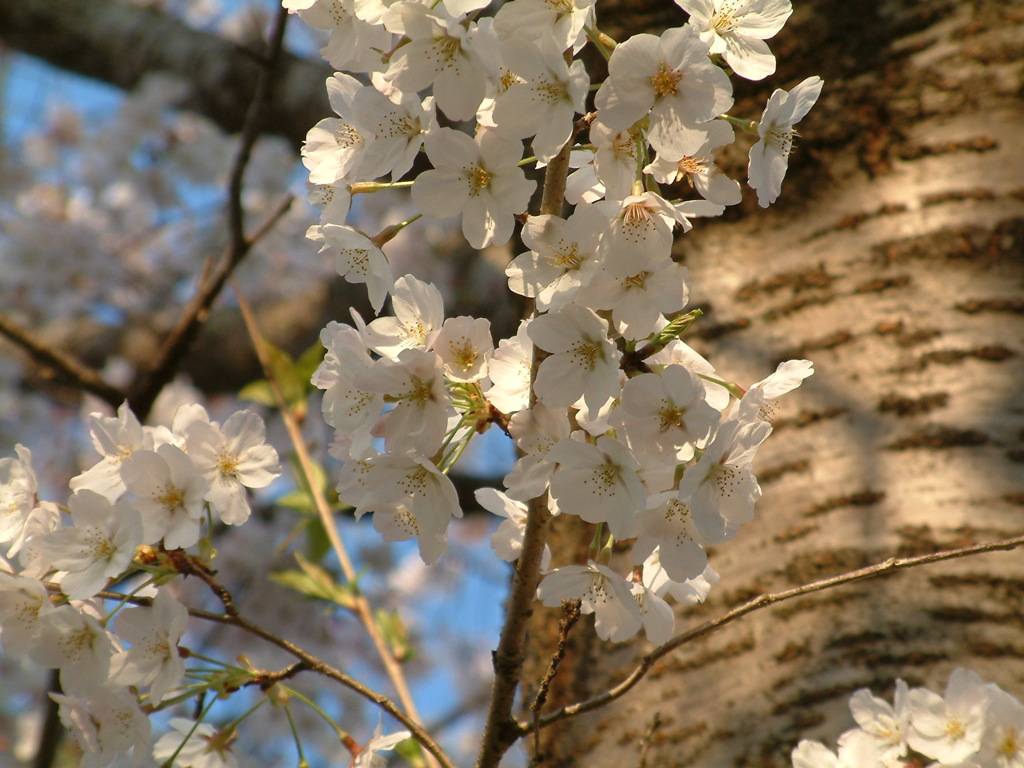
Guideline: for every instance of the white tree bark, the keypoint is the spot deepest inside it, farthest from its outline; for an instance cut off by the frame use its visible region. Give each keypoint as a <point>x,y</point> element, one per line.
<point>895,261</point>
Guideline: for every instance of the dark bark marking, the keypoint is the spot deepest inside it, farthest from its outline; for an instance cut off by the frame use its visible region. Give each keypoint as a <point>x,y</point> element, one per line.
<point>794,533</point>
<point>975,144</point>
<point>854,220</point>
<point>774,473</point>
<point>879,284</point>
<point>1005,241</point>
<point>797,281</point>
<point>831,341</point>
<point>798,304</point>
<point>717,331</point>
<point>793,651</point>
<point>835,598</point>
<point>939,438</point>
<point>957,195</point>
<point>806,418</point>
<point>904,336</point>
<point>913,406</point>
<point>991,354</point>
<point>811,566</point>
<point>974,306</point>
<point>996,650</point>
<point>860,499</point>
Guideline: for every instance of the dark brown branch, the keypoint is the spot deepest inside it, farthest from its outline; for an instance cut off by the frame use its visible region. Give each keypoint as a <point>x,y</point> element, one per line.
<point>169,358</point>
<point>119,43</point>
<point>891,565</point>
<point>570,615</point>
<point>82,377</point>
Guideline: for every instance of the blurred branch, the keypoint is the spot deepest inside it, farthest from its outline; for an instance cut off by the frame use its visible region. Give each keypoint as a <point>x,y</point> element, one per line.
<point>119,43</point>
<point>325,514</point>
<point>168,359</point>
<point>891,565</point>
<point>81,376</point>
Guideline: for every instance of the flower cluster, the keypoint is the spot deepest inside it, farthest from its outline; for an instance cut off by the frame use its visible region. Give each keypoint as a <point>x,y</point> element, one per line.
<point>152,491</point>
<point>621,423</point>
<point>972,725</point>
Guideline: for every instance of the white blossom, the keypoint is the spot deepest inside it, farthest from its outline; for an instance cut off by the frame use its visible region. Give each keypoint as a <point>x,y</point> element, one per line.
<point>737,29</point>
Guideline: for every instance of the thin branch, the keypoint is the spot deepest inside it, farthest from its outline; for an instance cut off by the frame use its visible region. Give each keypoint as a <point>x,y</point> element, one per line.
<point>307,661</point>
<point>891,565</point>
<point>570,615</point>
<point>197,311</point>
<point>82,376</point>
<point>362,606</point>
<point>501,728</point>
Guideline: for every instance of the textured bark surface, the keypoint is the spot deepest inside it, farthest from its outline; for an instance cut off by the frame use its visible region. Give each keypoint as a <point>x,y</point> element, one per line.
<point>895,261</point>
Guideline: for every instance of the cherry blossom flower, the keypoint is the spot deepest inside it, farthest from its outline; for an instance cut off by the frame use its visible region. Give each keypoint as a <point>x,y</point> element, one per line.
<point>760,400</point>
<point>153,657</point>
<point>671,77</point>
<point>688,592</point>
<point>444,52</point>
<point>769,157</point>
<point>114,438</point>
<point>603,593</point>
<point>206,747</point>
<point>656,616</point>
<point>637,301</point>
<point>509,371</point>
<point>464,346</point>
<point>948,728</point>
<point>398,123</point>
<point>535,431</point>
<point>480,179</point>
<point>507,541</point>
<point>108,725</point>
<point>666,525</point>
<point>639,235</point>
<point>23,603</point>
<point>368,757</point>
<point>886,723</point>
<point>418,313</point>
<point>170,495</point>
<point>233,457</point>
<point>667,413</point>
<point>18,498</point>
<point>598,483</point>
<point>358,260</point>
<point>76,644</point>
<point>1003,743</point>
<point>334,147</point>
<point>346,407</point>
<point>530,19</point>
<point>562,257</point>
<point>542,104</point>
<point>584,362</point>
<point>699,168</point>
<point>100,545</point>
<point>859,752</point>
<point>413,498</point>
<point>720,488</point>
<point>415,384</point>
<point>737,29</point>
<point>617,159</point>
<point>353,44</point>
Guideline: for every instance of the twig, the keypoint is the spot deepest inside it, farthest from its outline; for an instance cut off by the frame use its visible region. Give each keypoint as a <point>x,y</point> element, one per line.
<point>570,615</point>
<point>645,742</point>
<point>501,729</point>
<point>360,603</point>
<point>82,376</point>
<point>197,311</point>
<point>891,565</point>
<point>307,662</point>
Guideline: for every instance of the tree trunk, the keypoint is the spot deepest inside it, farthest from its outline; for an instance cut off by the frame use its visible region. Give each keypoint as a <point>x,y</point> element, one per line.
<point>894,259</point>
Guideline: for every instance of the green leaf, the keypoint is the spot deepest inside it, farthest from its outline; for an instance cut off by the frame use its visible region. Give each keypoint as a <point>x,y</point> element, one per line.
<point>393,630</point>
<point>316,582</point>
